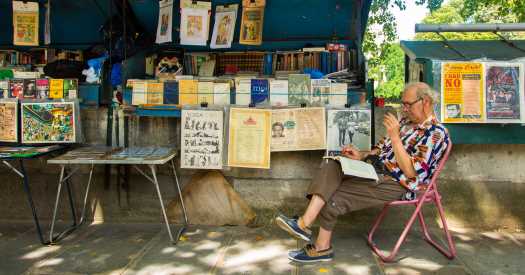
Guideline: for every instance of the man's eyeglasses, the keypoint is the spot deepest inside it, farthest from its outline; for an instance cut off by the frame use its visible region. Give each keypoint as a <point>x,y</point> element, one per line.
<point>409,104</point>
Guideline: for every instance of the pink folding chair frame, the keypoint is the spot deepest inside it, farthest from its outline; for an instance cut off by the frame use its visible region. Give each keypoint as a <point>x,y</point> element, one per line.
<point>431,195</point>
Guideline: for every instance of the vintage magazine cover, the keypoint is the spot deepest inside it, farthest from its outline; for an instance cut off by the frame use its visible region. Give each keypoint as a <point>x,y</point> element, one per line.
<point>298,89</point>
<point>249,138</point>
<point>202,139</point>
<point>205,92</point>
<point>56,88</point>
<point>252,26</point>
<point>221,93</point>
<point>48,122</point>
<point>462,92</point>
<point>195,23</point>
<point>164,26</point>
<point>138,95</point>
<point>224,27</point>
<point>504,92</point>
<point>42,88</point>
<point>243,92</point>
<point>338,94</point>
<point>155,92</point>
<point>298,129</point>
<point>25,23</point>
<point>320,92</point>
<point>8,121</point>
<point>16,88</point>
<point>348,126</point>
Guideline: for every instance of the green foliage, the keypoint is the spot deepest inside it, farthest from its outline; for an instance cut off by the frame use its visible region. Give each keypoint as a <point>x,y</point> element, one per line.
<point>392,68</point>
<point>452,13</point>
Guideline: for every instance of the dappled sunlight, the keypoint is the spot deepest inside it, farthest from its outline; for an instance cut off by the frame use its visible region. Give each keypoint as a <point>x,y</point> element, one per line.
<point>40,252</point>
<point>354,269</point>
<point>168,250</point>
<point>185,254</point>
<point>50,262</point>
<point>165,269</point>
<point>273,253</point>
<point>207,245</point>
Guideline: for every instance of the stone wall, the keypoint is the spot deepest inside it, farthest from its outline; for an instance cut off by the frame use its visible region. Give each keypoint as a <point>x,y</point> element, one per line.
<point>482,185</point>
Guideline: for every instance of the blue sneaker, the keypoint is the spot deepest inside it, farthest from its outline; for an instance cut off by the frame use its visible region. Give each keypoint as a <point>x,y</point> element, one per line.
<point>291,226</point>
<point>310,255</point>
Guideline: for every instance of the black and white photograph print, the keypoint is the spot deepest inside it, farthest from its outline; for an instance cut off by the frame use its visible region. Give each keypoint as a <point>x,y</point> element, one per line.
<point>201,139</point>
<point>348,127</point>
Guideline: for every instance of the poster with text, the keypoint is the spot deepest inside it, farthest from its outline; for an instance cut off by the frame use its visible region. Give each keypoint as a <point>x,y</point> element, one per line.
<point>202,139</point>
<point>462,92</point>
<point>504,92</point>
<point>25,23</point>
<point>249,138</point>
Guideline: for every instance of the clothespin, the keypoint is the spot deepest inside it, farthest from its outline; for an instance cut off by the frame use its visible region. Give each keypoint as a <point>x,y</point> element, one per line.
<point>347,105</point>
<point>251,105</point>
<point>204,104</point>
<point>303,105</point>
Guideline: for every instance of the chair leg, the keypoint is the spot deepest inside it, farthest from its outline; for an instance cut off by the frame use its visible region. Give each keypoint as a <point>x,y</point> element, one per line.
<point>451,253</point>
<point>408,226</point>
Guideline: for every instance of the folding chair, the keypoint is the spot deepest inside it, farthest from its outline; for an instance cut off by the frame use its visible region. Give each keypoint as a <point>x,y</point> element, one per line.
<point>431,195</point>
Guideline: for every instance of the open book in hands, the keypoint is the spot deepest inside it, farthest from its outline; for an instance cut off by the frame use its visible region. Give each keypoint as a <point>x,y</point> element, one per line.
<point>355,168</point>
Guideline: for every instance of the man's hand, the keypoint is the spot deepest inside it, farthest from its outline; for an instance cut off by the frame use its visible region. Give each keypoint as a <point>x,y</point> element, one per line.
<point>392,126</point>
<point>351,152</point>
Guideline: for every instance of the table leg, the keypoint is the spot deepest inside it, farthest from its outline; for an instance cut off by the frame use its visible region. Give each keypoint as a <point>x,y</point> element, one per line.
<point>181,231</point>
<point>156,183</point>
<point>65,178</point>
<point>25,181</point>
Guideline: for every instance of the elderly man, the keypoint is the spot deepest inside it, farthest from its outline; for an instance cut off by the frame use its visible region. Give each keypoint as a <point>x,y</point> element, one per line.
<point>409,153</point>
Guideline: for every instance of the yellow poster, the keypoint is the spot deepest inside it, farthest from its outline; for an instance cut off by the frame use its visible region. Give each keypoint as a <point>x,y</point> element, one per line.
<point>462,92</point>
<point>56,88</point>
<point>249,138</point>
<point>25,23</point>
<point>188,92</point>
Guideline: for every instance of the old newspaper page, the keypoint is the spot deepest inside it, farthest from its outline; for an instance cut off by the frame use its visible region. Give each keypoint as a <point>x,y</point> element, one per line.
<point>201,139</point>
<point>298,129</point>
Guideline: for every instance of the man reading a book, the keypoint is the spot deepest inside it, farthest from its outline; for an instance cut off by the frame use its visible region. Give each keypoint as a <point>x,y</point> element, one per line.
<point>404,160</point>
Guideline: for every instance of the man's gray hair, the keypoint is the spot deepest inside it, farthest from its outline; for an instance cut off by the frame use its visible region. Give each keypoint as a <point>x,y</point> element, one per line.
<point>423,90</point>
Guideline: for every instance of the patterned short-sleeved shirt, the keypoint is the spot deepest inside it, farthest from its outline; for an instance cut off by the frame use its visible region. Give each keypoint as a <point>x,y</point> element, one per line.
<point>425,143</point>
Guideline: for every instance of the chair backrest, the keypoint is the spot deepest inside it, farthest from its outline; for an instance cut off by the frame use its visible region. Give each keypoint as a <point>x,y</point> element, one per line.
<point>433,181</point>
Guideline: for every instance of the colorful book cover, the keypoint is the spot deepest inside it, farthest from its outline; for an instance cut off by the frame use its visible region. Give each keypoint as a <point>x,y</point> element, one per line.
<point>16,88</point>
<point>188,92</point>
<point>30,88</point>
<point>154,92</point>
<point>252,26</point>
<point>171,92</point>
<point>259,91</point>
<point>224,27</point>
<point>56,88</point>
<point>298,89</point>
<point>71,88</point>
<point>42,88</point>
<point>205,92</point>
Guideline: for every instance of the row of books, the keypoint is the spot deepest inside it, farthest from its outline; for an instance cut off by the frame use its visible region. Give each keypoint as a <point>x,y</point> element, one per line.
<point>268,63</point>
<point>41,88</point>
<point>297,90</point>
